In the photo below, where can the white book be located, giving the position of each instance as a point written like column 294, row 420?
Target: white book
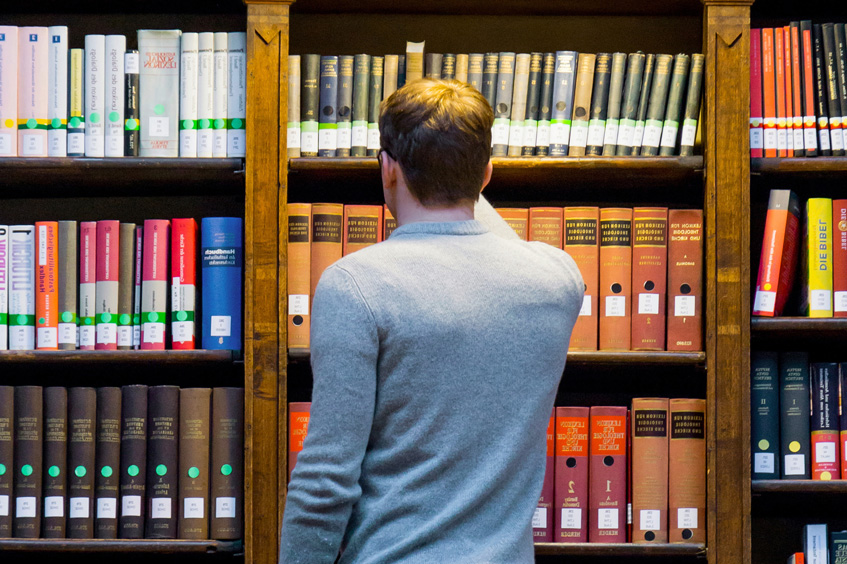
column 158, row 51
column 5, row 255
column 32, row 91
column 8, row 91
column 219, row 97
column 236, row 107
column 57, row 91
column 188, row 77
column 115, row 94
column 22, row 288
column 95, row 95
column 815, row 541
column 205, row 93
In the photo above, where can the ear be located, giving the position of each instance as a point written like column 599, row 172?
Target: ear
column 489, row 170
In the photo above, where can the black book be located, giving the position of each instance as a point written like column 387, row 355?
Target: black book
column 613, row 114
column 692, row 105
column 489, row 77
column 28, row 461
column 545, row 110
column 7, row 462
column 433, row 63
column 841, row 71
column 328, row 100
column 345, row 104
column 107, row 460
column 131, row 116
column 833, row 99
column 133, row 461
column 629, row 103
column 401, row 70
column 374, row 100
column 448, row 66
column 82, row 418
column 656, row 107
column 795, row 414
column 643, row 103
column 361, row 79
column 475, row 70
column 162, row 462
column 599, row 104
column 533, row 102
column 55, row 462
column 675, row 105
column 821, row 106
column 310, row 74
column 764, row 414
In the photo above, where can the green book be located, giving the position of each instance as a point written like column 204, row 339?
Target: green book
column 692, row 105
column 310, row 73
column 643, row 102
column 656, row 108
column 361, row 78
column 629, row 104
column 673, row 111
column 374, row 100
column 599, row 104
column 613, row 114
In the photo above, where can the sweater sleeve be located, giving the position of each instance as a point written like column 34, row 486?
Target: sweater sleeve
column 325, row 483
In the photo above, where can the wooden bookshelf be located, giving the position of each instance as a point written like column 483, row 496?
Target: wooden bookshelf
column 806, row 487
column 483, row 7
column 77, row 358
column 789, row 168
column 791, row 327
column 659, row 552
column 122, row 547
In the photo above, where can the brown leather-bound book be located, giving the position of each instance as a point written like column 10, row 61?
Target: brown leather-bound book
column 126, row 284
column 194, row 411
column 650, row 470
column 82, row 416
column 162, row 462
column 299, row 268
column 227, row 467
column 7, row 463
column 546, row 225
column 685, row 280
column 687, row 471
column 542, row 520
column 362, row 227
column 298, row 426
column 571, row 490
column 581, row 104
column 55, row 462
column 389, row 224
column 133, row 461
column 67, row 284
column 649, row 277
column 107, row 462
column 28, row 458
column 615, row 278
column 327, row 234
column 582, row 243
column 517, row 218
column 607, row 475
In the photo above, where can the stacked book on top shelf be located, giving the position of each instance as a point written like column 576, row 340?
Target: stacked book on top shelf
column 179, row 95
column 545, row 104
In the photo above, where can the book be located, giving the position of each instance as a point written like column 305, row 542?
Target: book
column 643, row 103
column 57, row 92
column 518, row 111
column 5, row 259
column 807, row 53
column 771, row 131
column 607, row 474
column 816, row 259
column 115, row 97
column 842, row 374
column 685, row 280
column 474, row 77
column 691, row 114
column 8, row 91
column 67, row 282
column 374, row 100
column 345, row 101
column 194, row 414
column 838, row 547
column 220, row 58
column 841, row 73
column 389, row 224
column 582, row 243
column 327, row 237
column 615, row 291
column 136, row 294
column 183, row 283
column 562, row 106
column 362, row 227
column 227, row 464
column 32, row 91
column 55, row 413
column 401, row 70
column 22, row 288
column 649, row 470
column 833, row 98
column 613, row 113
column 597, row 111
column 432, row 65
column 126, row 286
column 87, row 284
column 649, row 277
column 764, row 414
column 162, row 462
column 82, row 417
column 826, row 461
column 28, row 456
column 299, row 269
column 546, row 225
column 158, row 82
column 389, row 77
column 657, row 105
column 581, row 105
column 298, row 426
column 673, row 111
column 154, row 284
column 571, row 475
column 95, row 95
column 7, row 465
column 797, row 89
column 327, row 126
column 815, row 543
column 545, row 106
column 795, row 412
column 108, row 280
column 206, row 98
column 629, row 103
column 133, row 476
column 687, row 470
column 107, row 462
column 797, row 558
column 221, row 243
column 414, row 60
column 361, row 79
column 236, row 100
column 47, row 286
column 189, row 54
column 76, row 103
column 462, row 64
column 778, row 259
column 789, row 90
column 542, row 519
column 757, row 142
column 503, row 104
column 518, row 220
column 490, row 65
column 533, row 100
column 132, row 125
column 821, row 108
column 779, row 73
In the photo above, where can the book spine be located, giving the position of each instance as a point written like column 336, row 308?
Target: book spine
column 795, row 413
column 57, row 92
column 414, row 60
column 389, row 224
column 673, row 111
column 107, row 285
column 599, row 104
column 582, row 243
column 821, row 108
column 545, row 109
column 327, row 127
column 8, row 92
column 32, row 91
column 345, row 101
column 779, row 85
column 503, row 104
column 87, row 284
column 126, row 285
column 206, row 97
column 607, row 475
column 107, row 454
column 797, row 89
column 220, row 57
column 298, row 427
column 462, row 64
column 22, row 288
column 448, row 66
column 692, row 106
column 162, row 462
column 563, row 92
column 28, row 461
column 5, row 259
column 789, row 90
column 764, row 414
column 613, row 114
column 838, row 547
column 685, row 280
column 222, row 252
column 779, row 254
column 374, row 100
column 615, row 278
column 546, row 225
column 581, row 105
column 649, row 470
column 491, row 63
column 158, row 52
column 841, row 76
column 133, row 476
column 807, row 54
column 55, row 412
column 401, row 70
column 474, row 77
column 327, row 237
column 432, row 65
column 299, row 268
column 189, row 47
column 154, row 284
column 82, row 413
column 47, row 286
column 842, row 375
column 183, row 283
column 649, row 277
column 815, row 542
column 95, row 95
column 542, row 519
column 67, row 281
column 236, row 106
column 518, row 114
column 136, row 296
column 362, row 227
column 771, row 135
column 227, row 462
column 833, row 99
column 194, row 416
column 76, row 103
column 816, row 267
column 643, row 102
column 533, row 98
column 389, row 78
column 826, row 461
column 656, row 108
column 7, row 463
column 629, row 104
column 131, row 113
column 687, row 471
column 571, row 475
column 839, row 258
column 115, row 51
column 518, row 220
column 361, row 79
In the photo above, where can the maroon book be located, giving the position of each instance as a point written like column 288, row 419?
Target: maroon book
column 571, row 488
column 607, row 475
column 542, row 520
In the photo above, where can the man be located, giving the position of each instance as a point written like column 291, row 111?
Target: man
column 436, row 357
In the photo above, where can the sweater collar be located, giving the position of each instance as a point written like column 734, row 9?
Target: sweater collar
column 467, row 227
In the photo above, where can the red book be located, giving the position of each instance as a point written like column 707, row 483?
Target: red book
column 825, row 424
column 685, row 280
column 810, row 130
column 546, row 225
column 607, row 475
column 797, row 90
column 582, row 243
column 629, row 476
column 839, row 258
column 154, row 284
column 108, row 281
column 649, row 277
column 362, row 227
column 183, row 283
column 756, row 115
column 778, row 260
column 687, row 470
column 789, row 91
column 649, row 470
column 615, row 278
column 779, row 72
column 136, row 298
column 517, row 218
column 542, row 520
column 298, row 426
column 571, row 487
column 769, row 92
column 87, row 283
column 47, row 286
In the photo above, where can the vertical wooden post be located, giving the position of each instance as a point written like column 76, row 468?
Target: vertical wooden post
column 266, row 172
column 726, row 43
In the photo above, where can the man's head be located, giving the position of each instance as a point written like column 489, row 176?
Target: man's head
column 439, row 132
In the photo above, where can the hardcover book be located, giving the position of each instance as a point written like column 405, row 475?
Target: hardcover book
column 327, row 127
column 756, row 111
column 107, row 455
column 222, row 253
column 361, row 78
column 32, row 91
column 816, row 259
column 771, row 135
column 685, row 280
column 629, row 104
column 327, row 237
column 843, row 419
column 839, row 258
column 95, row 95
column 47, row 286
column 374, row 100
column 518, row 115
column 220, row 56
column 826, row 461
column 162, row 462
column 183, row 283
column 656, row 107
column 236, row 104
column 67, row 281
column 582, row 243
column 108, row 280
column 345, row 99
column 795, row 413
column 649, row 470
column 810, row 130
column 194, row 413
column 4, row 288
column 533, row 105
column 599, row 103
column 643, row 103
column 7, row 464
column 299, row 268
column 615, row 278
column 126, row 286
column 673, row 111
column 607, row 475
column 227, row 473
column 309, row 103
column 298, row 426
column 132, row 125
column 154, row 284
column 28, row 455
column 562, row 106
column 57, row 92
column 692, row 105
column 816, row 543
column 82, row 414
column 518, row 220
column 115, row 97
column 546, row 225
column 158, row 52
column 87, row 284
column 778, row 259
column 821, row 106
column 22, row 288
column 649, row 277
column 188, row 94
column 362, row 227
column 542, row 519
column 8, row 91
column 764, row 415
column 581, row 105
column 133, row 477
column 503, row 104
column 55, row 412
column 613, row 114
column 205, row 97
column 687, row 471
column 571, row 477
column 779, row 73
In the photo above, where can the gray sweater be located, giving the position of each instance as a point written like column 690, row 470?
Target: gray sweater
column 436, row 358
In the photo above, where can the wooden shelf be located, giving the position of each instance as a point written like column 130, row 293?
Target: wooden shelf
column 145, row 546
column 150, row 6
column 799, row 486
column 509, row 8
column 794, row 327
column 621, row 550
column 166, row 357
column 800, row 167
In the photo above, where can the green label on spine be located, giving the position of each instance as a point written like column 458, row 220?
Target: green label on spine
column 187, row 124
column 153, row 317
column 21, row 320
column 182, row 316
column 309, row 126
column 328, row 126
column 235, row 123
column 562, row 121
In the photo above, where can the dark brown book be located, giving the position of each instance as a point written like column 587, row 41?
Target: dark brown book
column 227, row 471
column 7, row 417
column 194, row 411
column 126, row 285
column 133, row 461
column 55, row 462
column 28, row 458
column 685, row 280
column 82, row 417
column 107, row 462
column 162, row 462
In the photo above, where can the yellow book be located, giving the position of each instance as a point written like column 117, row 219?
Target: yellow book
column 817, row 258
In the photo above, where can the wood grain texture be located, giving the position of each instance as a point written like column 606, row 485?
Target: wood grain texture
column 657, row 552
column 810, row 487
column 826, row 167
column 513, row 7
column 116, row 547
column 78, row 358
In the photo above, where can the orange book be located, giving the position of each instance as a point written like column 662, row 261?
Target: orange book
column 810, row 128
column 571, row 488
column 607, row 475
column 649, row 277
column 769, row 92
column 327, row 234
column 796, row 90
column 615, row 278
column 582, row 243
column 687, row 471
column 546, row 225
column 778, row 259
column 779, row 73
column 685, row 280
column 389, row 223
column 789, row 91
column 46, row 286
column 362, row 227
column 517, row 218
column 299, row 267
column 649, row 470
column 298, row 427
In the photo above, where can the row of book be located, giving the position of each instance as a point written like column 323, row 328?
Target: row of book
column 180, row 94
column 820, row 249
column 132, row 462
column 613, row 474
column 545, row 104
column 820, row 546
column 798, row 90
column 798, row 420
column 107, row 285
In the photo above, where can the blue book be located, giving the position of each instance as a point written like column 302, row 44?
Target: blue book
column 221, row 242
column 328, row 128
column 564, row 82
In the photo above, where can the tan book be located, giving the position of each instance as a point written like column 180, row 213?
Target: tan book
column 519, row 90
column 615, row 278
column 126, row 285
column 414, row 60
column 67, row 284
column 581, row 104
column 194, row 415
column 649, row 470
column 299, row 268
column 389, row 75
column 293, row 136
column 582, row 243
column 462, row 65
column 518, row 220
column 687, row 471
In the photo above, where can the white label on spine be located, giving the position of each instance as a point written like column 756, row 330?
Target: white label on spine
column 611, row 136
column 309, row 141
column 4, row 506
column 638, row 134
column 107, row 333
column 182, row 331
column 373, row 139
column 225, row 508
column 586, row 306
column 293, row 139
column 161, row 508
column 763, row 462
column 136, row 336
column 47, row 337
column 579, row 134
column 516, row 134
column 820, row 299
column 648, row 304
column 781, row 140
column 824, row 138
column 652, row 136
column 757, row 138
column 25, row 506
column 626, row 132
column 54, row 506
column 5, row 145
column 188, row 143
column 328, row 139
column 67, row 333
column 615, row 306
column 359, row 136
column 686, row 517
column 825, row 452
column 344, row 137
column 298, row 304
column 795, row 464
column 500, row 132
column 176, row 295
column 131, row 506
column 683, row 306
column 560, row 133
column 607, row 518
column 689, row 133
column 650, row 519
column 529, row 135
column 840, row 302
column 542, row 136
column 572, row 518
column 221, row 326
column 669, row 132
column 33, row 146
column 86, row 336
column 42, row 245
column 810, row 137
column 159, row 126
column 125, row 336
column 107, row 508
column 596, row 133
column 193, row 508
column 770, row 138
column 764, row 301
column 789, row 140
column 798, row 138
column 154, row 332
column 539, row 518
column 76, row 143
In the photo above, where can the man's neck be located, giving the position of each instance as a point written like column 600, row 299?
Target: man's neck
column 415, row 212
